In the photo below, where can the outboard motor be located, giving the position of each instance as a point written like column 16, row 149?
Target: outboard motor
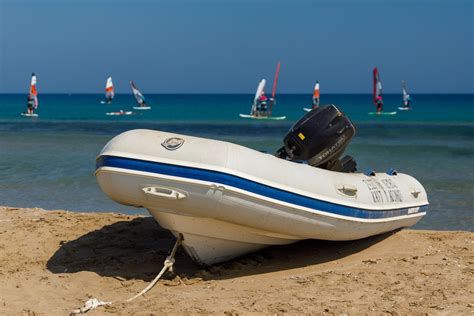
column 320, row 138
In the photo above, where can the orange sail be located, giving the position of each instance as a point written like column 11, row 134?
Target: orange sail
column 316, row 91
column 33, row 90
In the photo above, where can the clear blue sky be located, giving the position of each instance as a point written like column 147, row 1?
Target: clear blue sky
column 186, row 46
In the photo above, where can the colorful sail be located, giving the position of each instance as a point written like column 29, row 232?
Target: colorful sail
column 34, row 91
column 138, row 95
column 316, row 95
column 316, row 91
column 109, row 90
column 406, row 95
column 275, row 82
column 377, row 94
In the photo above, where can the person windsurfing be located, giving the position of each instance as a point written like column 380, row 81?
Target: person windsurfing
column 109, row 90
column 138, row 95
column 377, row 91
column 30, row 105
column 379, row 104
column 32, row 99
column 262, row 105
column 316, row 96
column 406, row 96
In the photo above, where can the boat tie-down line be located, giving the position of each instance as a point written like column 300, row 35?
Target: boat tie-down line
column 93, row 303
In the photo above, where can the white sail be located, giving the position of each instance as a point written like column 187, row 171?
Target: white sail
column 137, row 94
column 260, row 88
column 406, row 95
column 109, row 89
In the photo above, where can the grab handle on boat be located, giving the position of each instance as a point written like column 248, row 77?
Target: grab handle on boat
column 392, row 172
column 369, row 172
column 164, row 193
column 348, row 190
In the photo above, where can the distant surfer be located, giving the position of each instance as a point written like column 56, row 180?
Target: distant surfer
column 30, row 104
column 138, row 95
column 406, row 96
column 109, row 90
column 316, row 96
column 379, row 104
column 406, row 100
column 262, row 105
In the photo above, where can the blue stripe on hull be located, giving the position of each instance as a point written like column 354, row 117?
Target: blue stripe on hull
column 247, row 185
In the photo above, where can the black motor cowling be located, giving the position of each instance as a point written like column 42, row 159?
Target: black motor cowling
column 320, row 138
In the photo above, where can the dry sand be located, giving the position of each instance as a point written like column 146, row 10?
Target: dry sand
column 52, row 261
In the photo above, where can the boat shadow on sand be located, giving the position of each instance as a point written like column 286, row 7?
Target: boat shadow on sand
column 136, row 249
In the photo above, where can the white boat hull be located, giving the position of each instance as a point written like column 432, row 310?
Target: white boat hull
column 226, row 203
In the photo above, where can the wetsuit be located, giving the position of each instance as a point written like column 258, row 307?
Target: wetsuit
column 379, row 104
column 262, row 105
column 30, row 105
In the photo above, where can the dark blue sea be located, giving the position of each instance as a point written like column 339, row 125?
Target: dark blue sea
column 49, row 161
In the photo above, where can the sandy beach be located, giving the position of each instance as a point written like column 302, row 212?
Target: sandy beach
column 52, row 261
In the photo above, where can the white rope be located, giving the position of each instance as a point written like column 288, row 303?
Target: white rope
column 93, row 303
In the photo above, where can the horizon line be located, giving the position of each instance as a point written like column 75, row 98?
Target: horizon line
column 234, row 93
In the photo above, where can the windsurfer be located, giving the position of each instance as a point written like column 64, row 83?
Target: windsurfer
column 407, row 100
column 316, row 96
column 30, row 105
column 262, row 105
column 379, row 104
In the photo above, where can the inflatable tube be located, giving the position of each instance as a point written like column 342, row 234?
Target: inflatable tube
column 227, row 200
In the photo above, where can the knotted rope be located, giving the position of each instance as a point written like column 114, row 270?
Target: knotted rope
column 93, row 303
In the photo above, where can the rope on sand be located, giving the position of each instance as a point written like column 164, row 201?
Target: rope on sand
column 93, row 303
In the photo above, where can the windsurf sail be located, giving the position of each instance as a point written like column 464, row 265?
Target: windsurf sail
column 316, row 95
column 34, row 91
column 406, row 95
column 109, row 90
column 258, row 93
column 377, row 94
column 275, row 82
column 138, row 95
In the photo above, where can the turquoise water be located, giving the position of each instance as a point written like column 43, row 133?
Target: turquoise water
column 49, row 162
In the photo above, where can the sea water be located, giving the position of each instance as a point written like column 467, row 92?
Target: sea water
column 49, row 161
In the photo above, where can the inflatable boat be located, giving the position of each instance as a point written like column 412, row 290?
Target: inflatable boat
column 227, row 200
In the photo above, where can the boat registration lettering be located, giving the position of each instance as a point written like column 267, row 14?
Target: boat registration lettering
column 374, row 188
column 384, row 191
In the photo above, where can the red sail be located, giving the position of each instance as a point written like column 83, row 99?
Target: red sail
column 375, row 79
column 275, row 82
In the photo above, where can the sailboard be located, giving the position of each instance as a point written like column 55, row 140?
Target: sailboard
column 254, row 117
column 32, row 97
column 377, row 94
column 109, row 91
column 258, row 93
column 405, row 97
column 121, row 112
column 139, row 98
column 382, row 113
